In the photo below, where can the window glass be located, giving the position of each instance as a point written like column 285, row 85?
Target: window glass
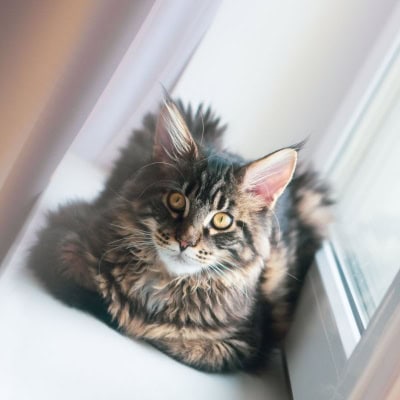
column 366, row 177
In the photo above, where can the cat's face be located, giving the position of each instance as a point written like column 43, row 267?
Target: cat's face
column 208, row 213
column 205, row 222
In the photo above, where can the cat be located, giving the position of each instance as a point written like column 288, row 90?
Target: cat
column 189, row 247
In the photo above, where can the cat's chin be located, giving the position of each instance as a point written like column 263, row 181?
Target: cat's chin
column 180, row 264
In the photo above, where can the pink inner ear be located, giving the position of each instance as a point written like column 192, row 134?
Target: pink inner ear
column 269, row 176
column 270, row 187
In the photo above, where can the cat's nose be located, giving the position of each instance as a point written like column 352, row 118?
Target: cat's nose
column 186, row 242
column 183, row 244
column 187, row 237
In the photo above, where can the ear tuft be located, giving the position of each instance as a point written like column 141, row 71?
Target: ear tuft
column 173, row 140
column 269, row 176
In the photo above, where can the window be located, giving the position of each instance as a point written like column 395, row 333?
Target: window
column 343, row 343
column 366, row 177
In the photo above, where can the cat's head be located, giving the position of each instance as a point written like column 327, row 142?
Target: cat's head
column 205, row 211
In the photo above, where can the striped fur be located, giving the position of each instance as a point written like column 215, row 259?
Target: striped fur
column 215, row 299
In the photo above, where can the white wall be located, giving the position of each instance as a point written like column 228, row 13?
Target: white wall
column 277, row 71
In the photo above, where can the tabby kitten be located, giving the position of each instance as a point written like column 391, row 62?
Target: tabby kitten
column 189, row 247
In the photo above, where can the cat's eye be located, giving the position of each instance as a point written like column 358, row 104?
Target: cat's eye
column 176, row 201
column 222, row 221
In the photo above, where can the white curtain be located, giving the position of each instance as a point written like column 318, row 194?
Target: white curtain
column 80, row 68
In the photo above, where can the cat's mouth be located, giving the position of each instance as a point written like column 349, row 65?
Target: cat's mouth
column 180, row 263
column 181, row 257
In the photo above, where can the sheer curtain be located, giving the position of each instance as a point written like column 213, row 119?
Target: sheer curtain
column 60, row 61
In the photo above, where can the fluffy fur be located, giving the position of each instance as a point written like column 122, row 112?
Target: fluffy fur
column 161, row 268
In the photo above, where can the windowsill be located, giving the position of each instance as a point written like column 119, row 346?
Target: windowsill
column 314, row 349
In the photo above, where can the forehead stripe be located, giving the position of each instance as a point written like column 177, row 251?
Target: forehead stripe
column 192, row 187
column 228, row 172
column 222, row 203
column 217, row 185
column 203, row 179
column 216, row 198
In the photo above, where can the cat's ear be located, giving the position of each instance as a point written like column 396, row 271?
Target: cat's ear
column 269, row 176
column 173, row 140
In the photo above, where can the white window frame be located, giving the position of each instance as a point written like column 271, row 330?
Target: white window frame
column 327, row 356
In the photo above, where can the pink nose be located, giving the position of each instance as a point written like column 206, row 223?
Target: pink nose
column 187, row 236
column 183, row 244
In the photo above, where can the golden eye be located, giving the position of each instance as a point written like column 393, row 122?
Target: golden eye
column 176, row 201
column 222, row 221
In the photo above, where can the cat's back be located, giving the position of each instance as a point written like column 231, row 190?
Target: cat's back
column 303, row 214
